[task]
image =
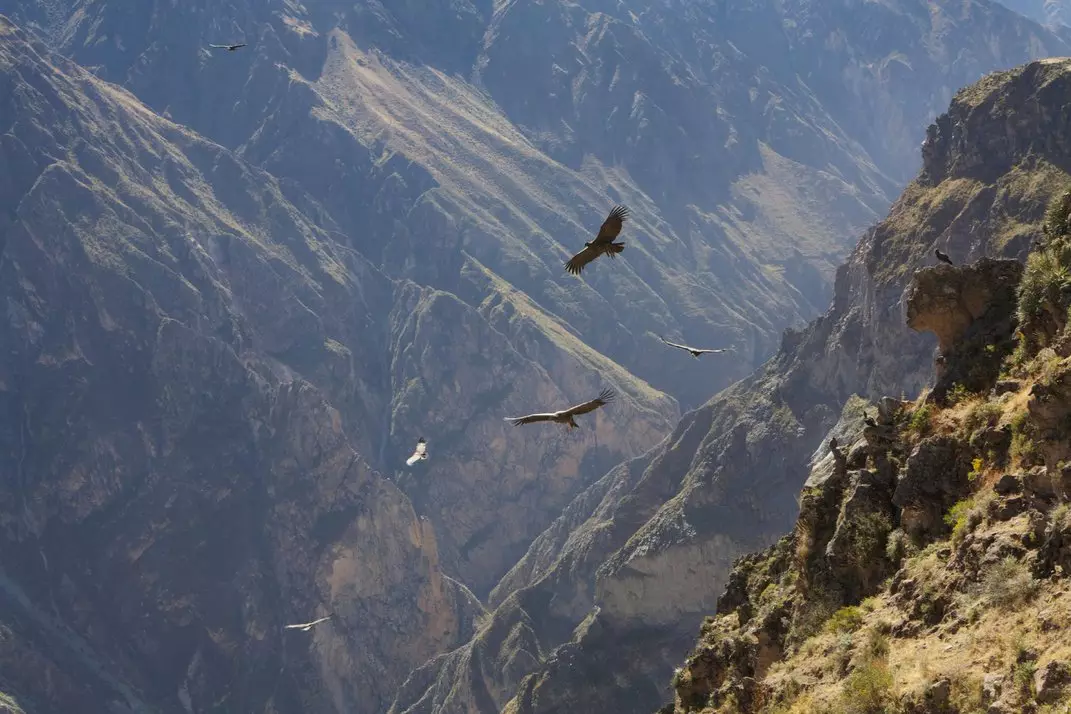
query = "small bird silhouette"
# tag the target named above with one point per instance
(229, 48)
(833, 444)
(306, 626)
(943, 257)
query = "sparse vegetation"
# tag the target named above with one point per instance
(1008, 583)
(1024, 448)
(1045, 290)
(982, 414)
(941, 623)
(921, 422)
(868, 689)
(899, 546)
(958, 394)
(869, 534)
(846, 619)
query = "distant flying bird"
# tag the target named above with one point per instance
(420, 453)
(943, 257)
(306, 626)
(229, 48)
(566, 415)
(603, 243)
(696, 351)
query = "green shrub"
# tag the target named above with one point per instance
(982, 414)
(1042, 307)
(1058, 217)
(868, 535)
(846, 619)
(899, 546)
(1008, 583)
(868, 689)
(1024, 448)
(876, 645)
(1023, 676)
(963, 518)
(959, 393)
(922, 420)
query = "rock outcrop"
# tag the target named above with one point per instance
(895, 590)
(221, 345)
(730, 473)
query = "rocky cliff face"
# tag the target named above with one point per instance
(991, 166)
(927, 571)
(752, 143)
(652, 543)
(194, 385)
(173, 492)
(221, 345)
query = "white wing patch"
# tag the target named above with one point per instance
(420, 453)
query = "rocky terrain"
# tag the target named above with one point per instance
(928, 569)
(651, 542)
(238, 287)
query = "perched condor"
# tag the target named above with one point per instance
(943, 257)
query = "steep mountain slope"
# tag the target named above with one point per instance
(990, 167)
(432, 157)
(650, 544)
(445, 212)
(195, 378)
(927, 572)
(750, 147)
(1055, 13)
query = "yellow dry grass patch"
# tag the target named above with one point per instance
(964, 656)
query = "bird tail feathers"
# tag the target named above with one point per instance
(412, 460)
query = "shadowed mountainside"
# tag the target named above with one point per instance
(247, 330)
(602, 602)
(195, 383)
(753, 141)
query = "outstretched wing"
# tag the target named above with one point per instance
(578, 261)
(700, 350)
(412, 459)
(674, 344)
(306, 626)
(234, 47)
(605, 397)
(612, 225)
(532, 418)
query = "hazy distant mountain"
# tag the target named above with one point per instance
(238, 290)
(1049, 12)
